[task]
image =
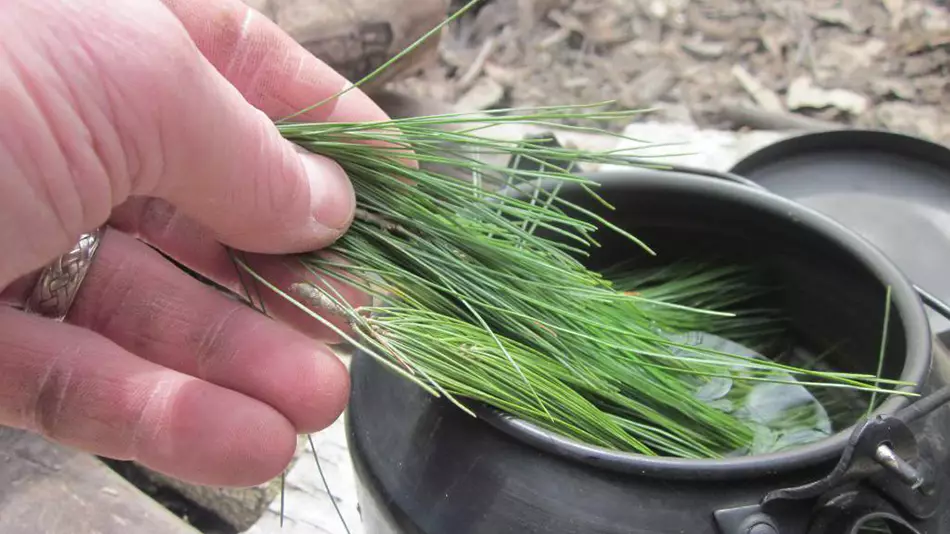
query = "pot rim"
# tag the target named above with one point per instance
(904, 297)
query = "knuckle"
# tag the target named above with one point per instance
(149, 418)
(281, 188)
(271, 189)
(51, 393)
(105, 296)
(213, 347)
(123, 299)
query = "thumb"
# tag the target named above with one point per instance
(104, 99)
(227, 167)
(224, 163)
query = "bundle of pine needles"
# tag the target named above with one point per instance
(474, 305)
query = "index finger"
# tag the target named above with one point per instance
(273, 72)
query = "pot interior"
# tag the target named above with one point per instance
(830, 298)
(829, 284)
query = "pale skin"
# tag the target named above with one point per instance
(155, 117)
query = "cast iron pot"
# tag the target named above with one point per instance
(425, 467)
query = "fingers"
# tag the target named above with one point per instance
(140, 301)
(78, 388)
(159, 224)
(272, 71)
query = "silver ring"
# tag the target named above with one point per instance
(56, 289)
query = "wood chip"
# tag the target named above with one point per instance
(894, 87)
(502, 75)
(555, 38)
(763, 96)
(914, 120)
(658, 9)
(576, 82)
(484, 94)
(649, 87)
(838, 16)
(459, 59)
(608, 28)
(924, 41)
(776, 36)
(528, 15)
(895, 9)
(475, 69)
(587, 7)
(567, 21)
(934, 90)
(803, 94)
(926, 63)
(705, 50)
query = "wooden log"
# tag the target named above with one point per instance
(46, 488)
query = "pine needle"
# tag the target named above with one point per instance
(883, 349)
(326, 485)
(485, 300)
(483, 294)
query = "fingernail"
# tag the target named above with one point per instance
(332, 200)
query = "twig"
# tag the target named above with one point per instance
(478, 64)
(883, 349)
(556, 37)
(761, 119)
(763, 96)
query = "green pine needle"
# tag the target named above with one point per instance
(476, 305)
(481, 293)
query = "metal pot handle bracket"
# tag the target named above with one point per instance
(880, 475)
(882, 452)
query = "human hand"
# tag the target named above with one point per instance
(143, 114)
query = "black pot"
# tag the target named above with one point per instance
(423, 466)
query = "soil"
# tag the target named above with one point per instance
(860, 63)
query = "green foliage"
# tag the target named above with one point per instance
(473, 304)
